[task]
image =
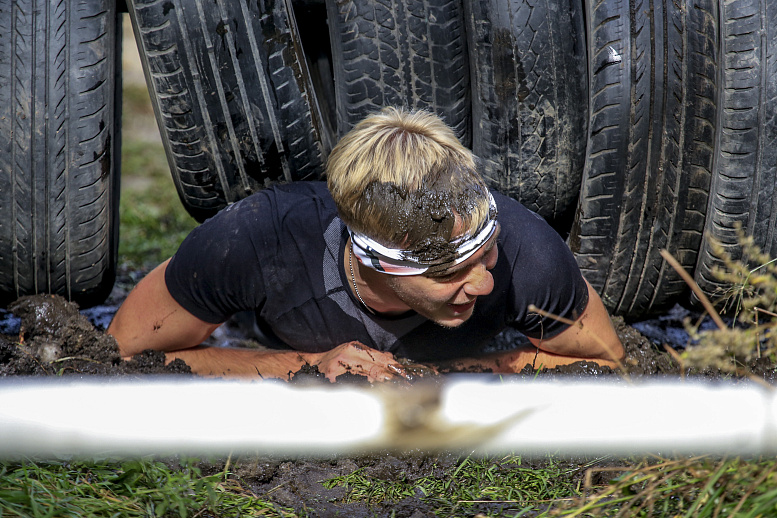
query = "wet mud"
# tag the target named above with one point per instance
(44, 335)
(47, 336)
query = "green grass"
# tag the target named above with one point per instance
(702, 487)
(153, 221)
(504, 485)
(130, 488)
(495, 487)
(136, 103)
(146, 488)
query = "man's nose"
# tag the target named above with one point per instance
(480, 281)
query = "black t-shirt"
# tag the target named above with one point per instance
(280, 252)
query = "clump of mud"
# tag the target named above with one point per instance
(56, 339)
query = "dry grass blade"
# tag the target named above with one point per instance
(613, 357)
(694, 287)
(765, 312)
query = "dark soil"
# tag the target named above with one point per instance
(54, 338)
(46, 336)
(291, 482)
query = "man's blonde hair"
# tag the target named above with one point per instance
(401, 177)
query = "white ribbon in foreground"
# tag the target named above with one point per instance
(60, 417)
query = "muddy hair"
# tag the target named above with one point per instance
(402, 178)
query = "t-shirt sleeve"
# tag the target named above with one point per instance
(216, 271)
(544, 274)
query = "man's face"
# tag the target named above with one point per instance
(448, 298)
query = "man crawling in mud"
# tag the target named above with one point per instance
(403, 254)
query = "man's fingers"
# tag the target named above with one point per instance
(357, 358)
(398, 370)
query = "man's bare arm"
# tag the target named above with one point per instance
(591, 338)
(151, 318)
(514, 360)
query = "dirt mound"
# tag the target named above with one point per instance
(646, 359)
(643, 358)
(56, 339)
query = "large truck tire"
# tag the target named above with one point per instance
(408, 53)
(529, 96)
(743, 184)
(232, 95)
(653, 97)
(60, 144)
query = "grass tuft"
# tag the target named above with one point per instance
(129, 488)
(691, 488)
(752, 301)
(504, 486)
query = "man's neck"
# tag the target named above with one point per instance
(371, 287)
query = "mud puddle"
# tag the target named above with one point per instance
(46, 336)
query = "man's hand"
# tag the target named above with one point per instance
(357, 358)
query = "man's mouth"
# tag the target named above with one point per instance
(462, 308)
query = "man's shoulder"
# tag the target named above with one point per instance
(514, 212)
(288, 195)
(521, 227)
(300, 199)
(263, 218)
(303, 206)
(528, 243)
(308, 189)
(536, 267)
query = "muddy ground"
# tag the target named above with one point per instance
(47, 336)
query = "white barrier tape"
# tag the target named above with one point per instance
(59, 417)
(599, 418)
(95, 418)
